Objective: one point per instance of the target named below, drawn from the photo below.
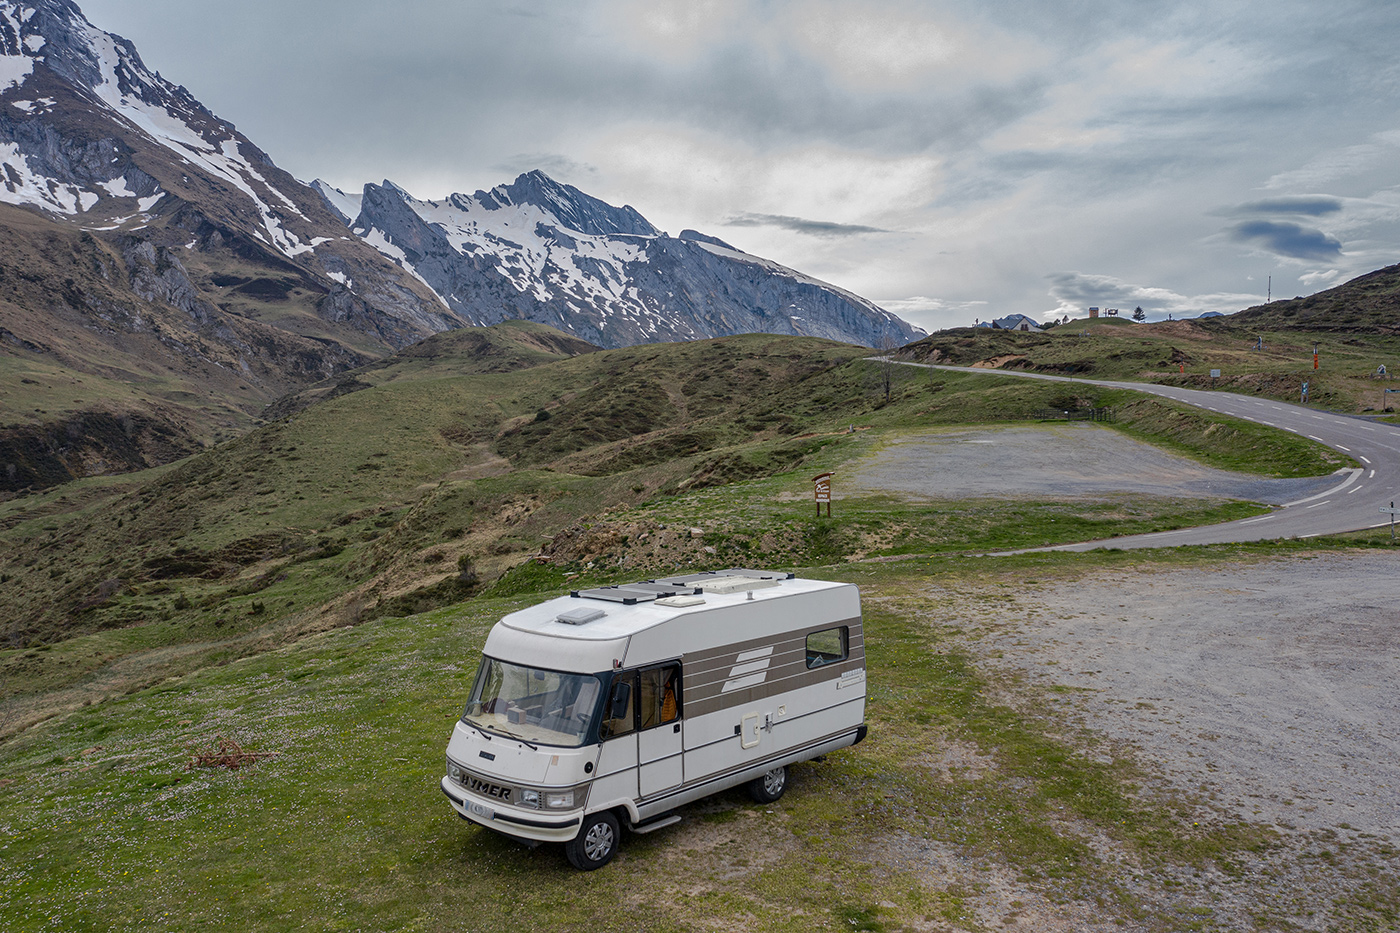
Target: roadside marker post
(1392, 510)
(821, 488)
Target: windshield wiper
(483, 732)
(519, 738)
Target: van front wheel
(595, 844)
(769, 786)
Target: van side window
(827, 646)
(620, 714)
(660, 695)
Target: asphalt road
(1352, 505)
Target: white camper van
(613, 706)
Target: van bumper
(535, 825)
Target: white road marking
(1378, 525)
(1316, 438)
(1316, 504)
(1371, 475)
(1354, 488)
(1347, 449)
(1362, 427)
(1364, 460)
(1254, 520)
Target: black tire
(769, 786)
(596, 842)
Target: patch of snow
(117, 188)
(25, 105)
(340, 277)
(376, 238)
(33, 188)
(34, 43)
(145, 204)
(347, 204)
(14, 69)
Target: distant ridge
(547, 252)
(1368, 304)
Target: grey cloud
(821, 228)
(1079, 289)
(557, 166)
(1288, 239)
(1311, 205)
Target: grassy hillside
(1368, 304)
(436, 476)
(1184, 353)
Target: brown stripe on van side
(716, 663)
(714, 656)
(705, 677)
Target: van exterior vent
(724, 585)
(580, 616)
(681, 602)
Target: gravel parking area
(1273, 688)
(1054, 461)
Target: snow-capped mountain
(157, 264)
(547, 252)
(155, 256)
(88, 133)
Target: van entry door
(661, 738)
(617, 765)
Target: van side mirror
(621, 701)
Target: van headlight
(454, 771)
(529, 797)
(562, 800)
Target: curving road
(1352, 505)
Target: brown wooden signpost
(821, 487)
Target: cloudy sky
(950, 160)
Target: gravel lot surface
(1273, 686)
(1054, 461)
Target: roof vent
(725, 585)
(581, 616)
(681, 602)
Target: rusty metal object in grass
(225, 753)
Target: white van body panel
(753, 697)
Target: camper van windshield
(548, 707)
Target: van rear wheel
(595, 844)
(769, 786)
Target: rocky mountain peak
(572, 208)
